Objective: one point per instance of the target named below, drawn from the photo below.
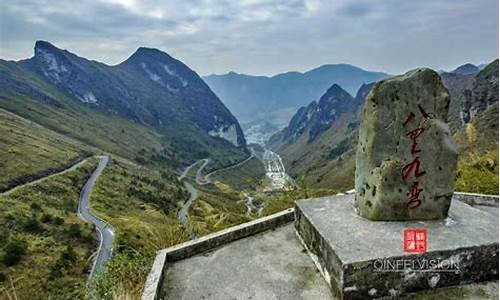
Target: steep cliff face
(314, 119)
(458, 86)
(484, 92)
(151, 108)
(477, 139)
(182, 92)
(470, 93)
(318, 145)
(150, 87)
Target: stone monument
(406, 158)
(365, 244)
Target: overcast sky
(261, 36)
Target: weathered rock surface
(406, 159)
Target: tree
(14, 251)
(35, 206)
(58, 221)
(33, 225)
(69, 254)
(74, 230)
(64, 263)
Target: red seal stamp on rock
(415, 240)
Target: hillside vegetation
(44, 245)
(478, 148)
(141, 204)
(29, 151)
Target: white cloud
(261, 36)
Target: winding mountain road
(183, 212)
(193, 193)
(105, 231)
(73, 167)
(200, 179)
(203, 180)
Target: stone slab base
(363, 259)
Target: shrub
(46, 218)
(74, 230)
(69, 254)
(63, 263)
(14, 251)
(4, 237)
(58, 221)
(32, 225)
(35, 206)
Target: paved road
(183, 212)
(193, 193)
(200, 179)
(81, 162)
(203, 180)
(104, 230)
(188, 168)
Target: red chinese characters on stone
(414, 195)
(413, 167)
(409, 119)
(414, 134)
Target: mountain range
(276, 98)
(318, 145)
(154, 98)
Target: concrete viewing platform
(266, 259)
(270, 265)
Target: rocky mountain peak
(150, 87)
(44, 45)
(149, 54)
(333, 103)
(299, 121)
(51, 60)
(163, 69)
(165, 74)
(466, 69)
(319, 116)
(334, 95)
